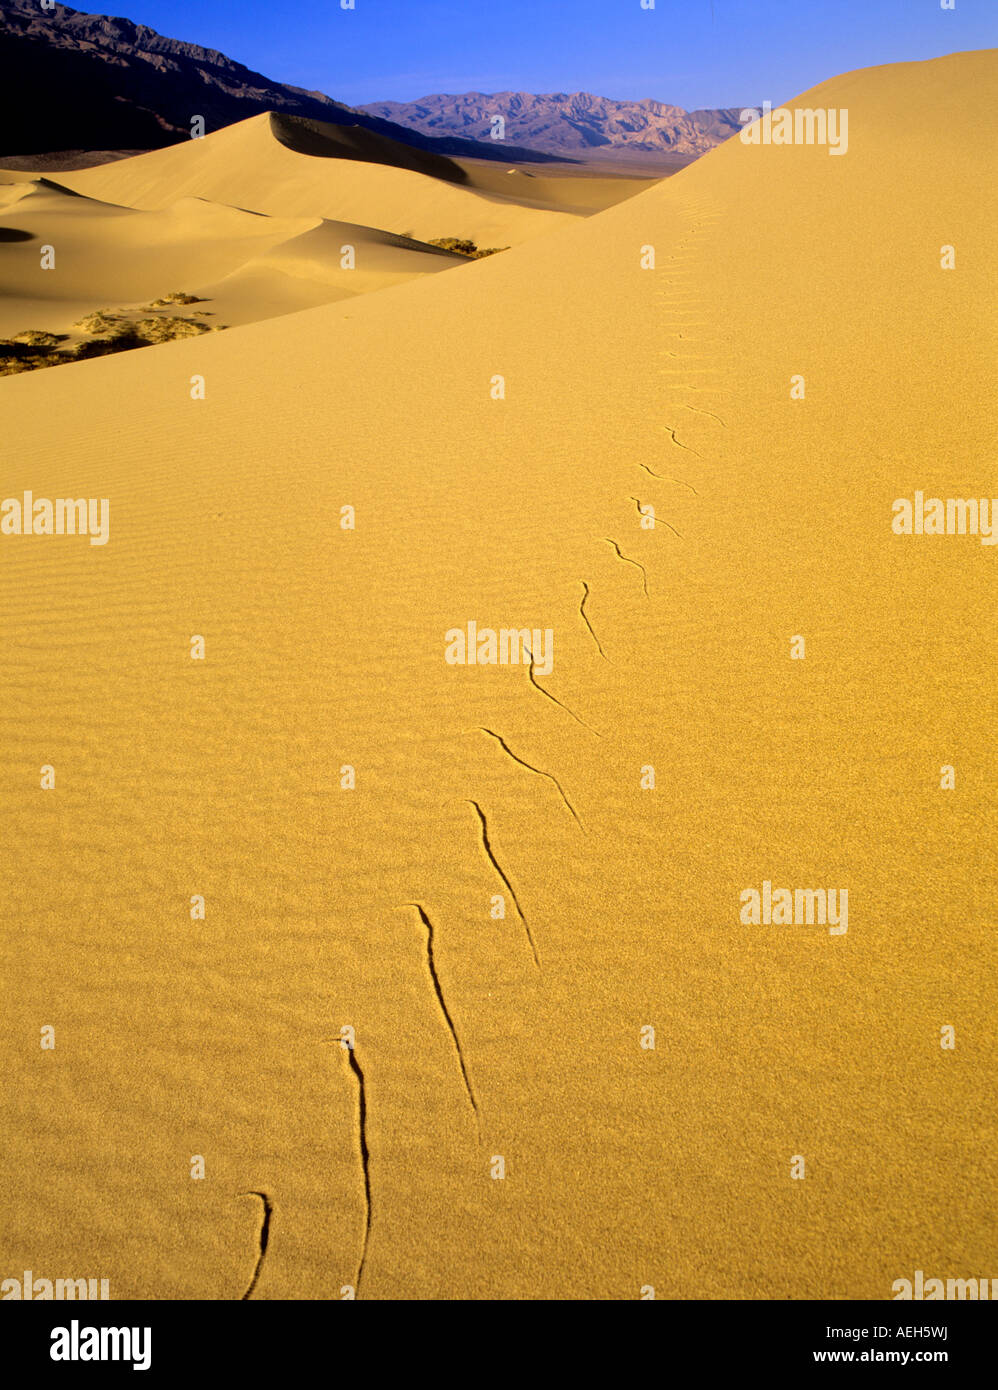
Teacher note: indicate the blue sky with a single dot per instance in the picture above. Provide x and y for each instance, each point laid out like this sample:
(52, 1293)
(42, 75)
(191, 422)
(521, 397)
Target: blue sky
(693, 53)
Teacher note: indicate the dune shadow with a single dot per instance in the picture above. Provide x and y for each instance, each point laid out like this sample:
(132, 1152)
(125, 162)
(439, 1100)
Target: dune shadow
(15, 234)
(324, 140)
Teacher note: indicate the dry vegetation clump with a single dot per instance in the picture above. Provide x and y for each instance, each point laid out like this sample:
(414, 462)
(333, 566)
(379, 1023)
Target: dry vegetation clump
(97, 322)
(37, 338)
(464, 247)
(28, 350)
(165, 329)
(106, 332)
(176, 297)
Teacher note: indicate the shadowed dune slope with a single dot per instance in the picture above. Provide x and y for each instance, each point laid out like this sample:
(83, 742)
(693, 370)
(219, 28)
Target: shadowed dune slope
(324, 141)
(624, 1166)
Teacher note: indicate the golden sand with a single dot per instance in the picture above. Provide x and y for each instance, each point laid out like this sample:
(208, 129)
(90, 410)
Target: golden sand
(625, 1167)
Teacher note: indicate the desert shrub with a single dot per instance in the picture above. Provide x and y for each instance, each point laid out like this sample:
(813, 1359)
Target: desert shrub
(106, 333)
(175, 297)
(38, 338)
(97, 322)
(463, 247)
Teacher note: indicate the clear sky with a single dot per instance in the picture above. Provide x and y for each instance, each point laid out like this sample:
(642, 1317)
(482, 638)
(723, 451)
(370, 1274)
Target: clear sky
(691, 53)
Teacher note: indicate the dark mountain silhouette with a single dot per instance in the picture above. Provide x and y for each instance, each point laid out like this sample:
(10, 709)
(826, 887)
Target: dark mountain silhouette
(90, 82)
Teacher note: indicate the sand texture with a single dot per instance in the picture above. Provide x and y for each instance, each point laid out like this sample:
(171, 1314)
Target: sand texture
(518, 1038)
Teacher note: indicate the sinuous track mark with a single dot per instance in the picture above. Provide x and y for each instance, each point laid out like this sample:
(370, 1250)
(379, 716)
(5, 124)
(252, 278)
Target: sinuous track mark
(534, 682)
(268, 1211)
(365, 1154)
(667, 478)
(628, 561)
(435, 978)
(487, 846)
(539, 772)
(582, 612)
(679, 444)
(661, 519)
(698, 411)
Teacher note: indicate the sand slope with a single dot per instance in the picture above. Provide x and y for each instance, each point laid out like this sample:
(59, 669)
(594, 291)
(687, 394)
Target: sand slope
(624, 1167)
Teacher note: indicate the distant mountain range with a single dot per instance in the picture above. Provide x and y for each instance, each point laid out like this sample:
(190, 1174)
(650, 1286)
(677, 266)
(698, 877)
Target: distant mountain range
(571, 125)
(89, 82)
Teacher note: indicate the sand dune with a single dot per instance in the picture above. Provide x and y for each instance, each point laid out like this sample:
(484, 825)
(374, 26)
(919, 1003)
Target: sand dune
(105, 254)
(243, 265)
(255, 220)
(248, 165)
(310, 269)
(624, 1166)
